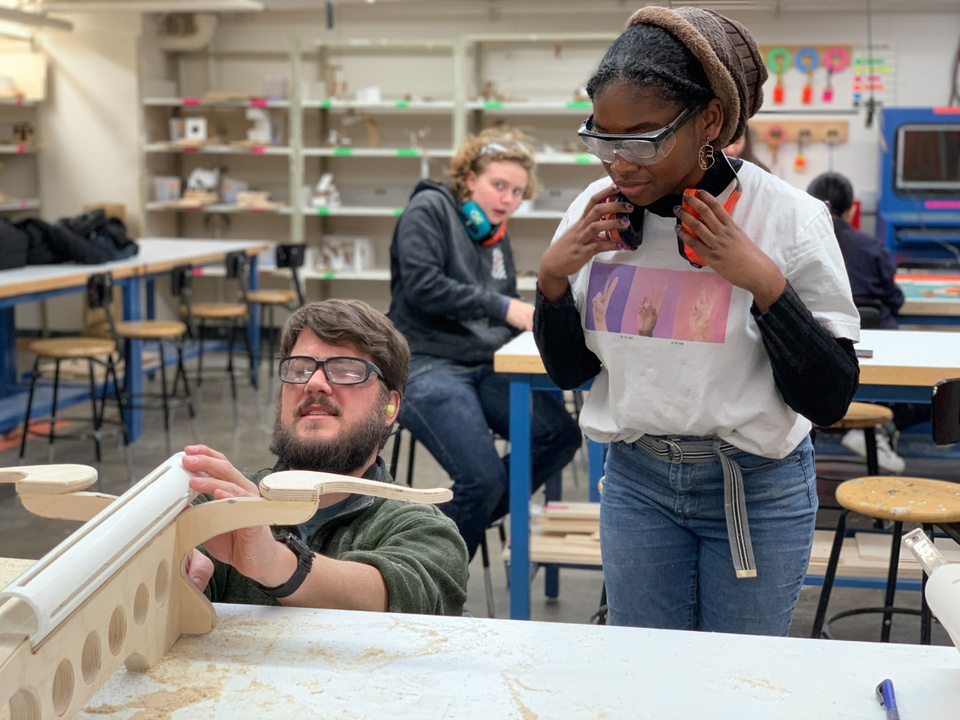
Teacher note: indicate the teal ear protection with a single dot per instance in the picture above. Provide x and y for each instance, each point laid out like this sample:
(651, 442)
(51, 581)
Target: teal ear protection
(475, 221)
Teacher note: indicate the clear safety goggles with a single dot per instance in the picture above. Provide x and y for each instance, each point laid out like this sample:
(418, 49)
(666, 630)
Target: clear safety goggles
(642, 149)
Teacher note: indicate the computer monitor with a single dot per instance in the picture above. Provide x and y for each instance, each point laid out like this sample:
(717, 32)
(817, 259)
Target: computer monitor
(928, 160)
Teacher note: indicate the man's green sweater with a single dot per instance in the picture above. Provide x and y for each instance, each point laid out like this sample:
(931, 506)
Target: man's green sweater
(416, 548)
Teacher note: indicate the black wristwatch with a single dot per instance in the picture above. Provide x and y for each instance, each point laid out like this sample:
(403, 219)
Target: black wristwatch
(304, 563)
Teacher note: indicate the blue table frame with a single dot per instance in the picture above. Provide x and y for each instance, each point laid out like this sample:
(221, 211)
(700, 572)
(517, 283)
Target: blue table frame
(905, 366)
(156, 258)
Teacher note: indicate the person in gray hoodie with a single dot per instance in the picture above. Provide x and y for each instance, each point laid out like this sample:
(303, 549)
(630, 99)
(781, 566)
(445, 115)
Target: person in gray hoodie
(454, 296)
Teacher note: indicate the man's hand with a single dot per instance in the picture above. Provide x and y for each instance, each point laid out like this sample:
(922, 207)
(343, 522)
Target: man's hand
(199, 569)
(253, 551)
(520, 314)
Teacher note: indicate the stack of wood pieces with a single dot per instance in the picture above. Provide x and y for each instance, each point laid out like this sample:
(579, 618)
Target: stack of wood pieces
(867, 555)
(567, 533)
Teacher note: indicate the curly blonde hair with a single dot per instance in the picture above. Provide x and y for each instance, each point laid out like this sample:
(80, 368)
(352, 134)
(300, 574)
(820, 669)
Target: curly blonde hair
(492, 145)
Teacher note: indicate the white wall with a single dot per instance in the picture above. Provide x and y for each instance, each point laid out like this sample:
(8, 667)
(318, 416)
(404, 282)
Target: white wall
(88, 132)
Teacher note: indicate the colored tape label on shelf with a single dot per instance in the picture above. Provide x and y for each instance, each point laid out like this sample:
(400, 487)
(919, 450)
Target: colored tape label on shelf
(329, 275)
(325, 104)
(579, 105)
(258, 103)
(407, 152)
(493, 104)
(583, 159)
(21, 148)
(191, 148)
(402, 104)
(190, 101)
(258, 149)
(323, 211)
(398, 211)
(343, 151)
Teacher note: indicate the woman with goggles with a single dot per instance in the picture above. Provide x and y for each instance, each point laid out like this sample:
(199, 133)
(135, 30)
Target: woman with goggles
(710, 363)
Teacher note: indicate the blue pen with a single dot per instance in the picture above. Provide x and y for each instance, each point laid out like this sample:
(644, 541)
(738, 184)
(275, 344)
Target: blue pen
(888, 700)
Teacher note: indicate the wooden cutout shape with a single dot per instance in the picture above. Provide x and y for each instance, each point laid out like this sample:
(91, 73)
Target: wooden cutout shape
(138, 612)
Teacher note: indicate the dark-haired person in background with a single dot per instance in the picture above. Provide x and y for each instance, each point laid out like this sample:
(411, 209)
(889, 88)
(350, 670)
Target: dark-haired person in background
(709, 367)
(871, 270)
(454, 297)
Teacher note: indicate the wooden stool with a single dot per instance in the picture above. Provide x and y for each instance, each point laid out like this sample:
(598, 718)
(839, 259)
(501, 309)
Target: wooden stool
(900, 500)
(99, 292)
(866, 417)
(96, 352)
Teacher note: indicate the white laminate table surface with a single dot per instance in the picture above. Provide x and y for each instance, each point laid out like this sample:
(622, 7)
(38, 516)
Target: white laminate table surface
(900, 357)
(156, 255)
(286, 663)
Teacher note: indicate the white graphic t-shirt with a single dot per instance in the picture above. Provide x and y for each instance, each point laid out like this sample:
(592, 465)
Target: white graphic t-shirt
(681, 353)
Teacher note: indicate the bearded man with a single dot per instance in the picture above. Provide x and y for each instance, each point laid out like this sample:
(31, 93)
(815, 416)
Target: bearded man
(343, 370)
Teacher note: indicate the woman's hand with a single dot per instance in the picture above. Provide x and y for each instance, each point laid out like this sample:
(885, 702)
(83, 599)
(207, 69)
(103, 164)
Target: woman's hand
(723, 246)
(519, 314)
(581, 241)
(253, 551)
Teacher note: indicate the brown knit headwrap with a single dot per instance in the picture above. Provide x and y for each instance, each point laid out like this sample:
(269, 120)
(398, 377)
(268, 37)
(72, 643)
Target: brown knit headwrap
(728, 54)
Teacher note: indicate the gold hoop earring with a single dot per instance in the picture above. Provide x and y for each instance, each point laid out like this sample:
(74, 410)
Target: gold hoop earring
(706, 158)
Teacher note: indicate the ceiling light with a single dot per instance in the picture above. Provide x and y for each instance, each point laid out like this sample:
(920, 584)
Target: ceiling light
(30, 18)
(159, 6)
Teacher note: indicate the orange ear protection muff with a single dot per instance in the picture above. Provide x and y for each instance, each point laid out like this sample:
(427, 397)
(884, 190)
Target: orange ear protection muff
(728, 206)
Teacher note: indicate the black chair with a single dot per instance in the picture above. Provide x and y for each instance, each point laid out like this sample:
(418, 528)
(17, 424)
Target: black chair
(484, 551)
(290, 256)
(226, 318)
(871, 313)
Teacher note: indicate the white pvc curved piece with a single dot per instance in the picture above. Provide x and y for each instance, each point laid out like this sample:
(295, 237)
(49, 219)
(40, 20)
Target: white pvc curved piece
(308, 486)
(70, 573)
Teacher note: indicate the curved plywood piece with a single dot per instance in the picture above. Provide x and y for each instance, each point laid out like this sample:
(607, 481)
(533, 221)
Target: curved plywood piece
(49, 479)
(907, 499)
(201, 522)
(307, 486)
(80, 506)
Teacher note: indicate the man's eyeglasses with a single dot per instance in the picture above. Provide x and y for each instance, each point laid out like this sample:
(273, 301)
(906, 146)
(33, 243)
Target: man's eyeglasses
(339, 370)
(642, 149)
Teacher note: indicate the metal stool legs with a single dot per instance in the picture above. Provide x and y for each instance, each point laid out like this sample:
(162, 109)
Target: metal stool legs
(821, 625)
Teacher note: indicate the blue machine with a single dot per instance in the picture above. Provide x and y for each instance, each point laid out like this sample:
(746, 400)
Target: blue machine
(918, 213)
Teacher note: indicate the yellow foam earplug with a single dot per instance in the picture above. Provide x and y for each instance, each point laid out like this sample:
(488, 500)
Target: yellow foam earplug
(390, 409)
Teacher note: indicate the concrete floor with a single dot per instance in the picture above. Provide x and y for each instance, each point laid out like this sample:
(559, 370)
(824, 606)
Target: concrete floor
(245, 439)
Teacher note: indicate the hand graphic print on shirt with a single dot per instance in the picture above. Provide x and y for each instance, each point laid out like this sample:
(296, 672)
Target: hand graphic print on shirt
(658, 303)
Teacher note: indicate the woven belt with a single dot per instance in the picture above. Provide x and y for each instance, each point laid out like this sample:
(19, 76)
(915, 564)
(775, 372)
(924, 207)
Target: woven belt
(734, 503)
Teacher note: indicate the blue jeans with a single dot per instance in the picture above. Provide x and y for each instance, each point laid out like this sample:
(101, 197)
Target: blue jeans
(451, 408)
(666, 555)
